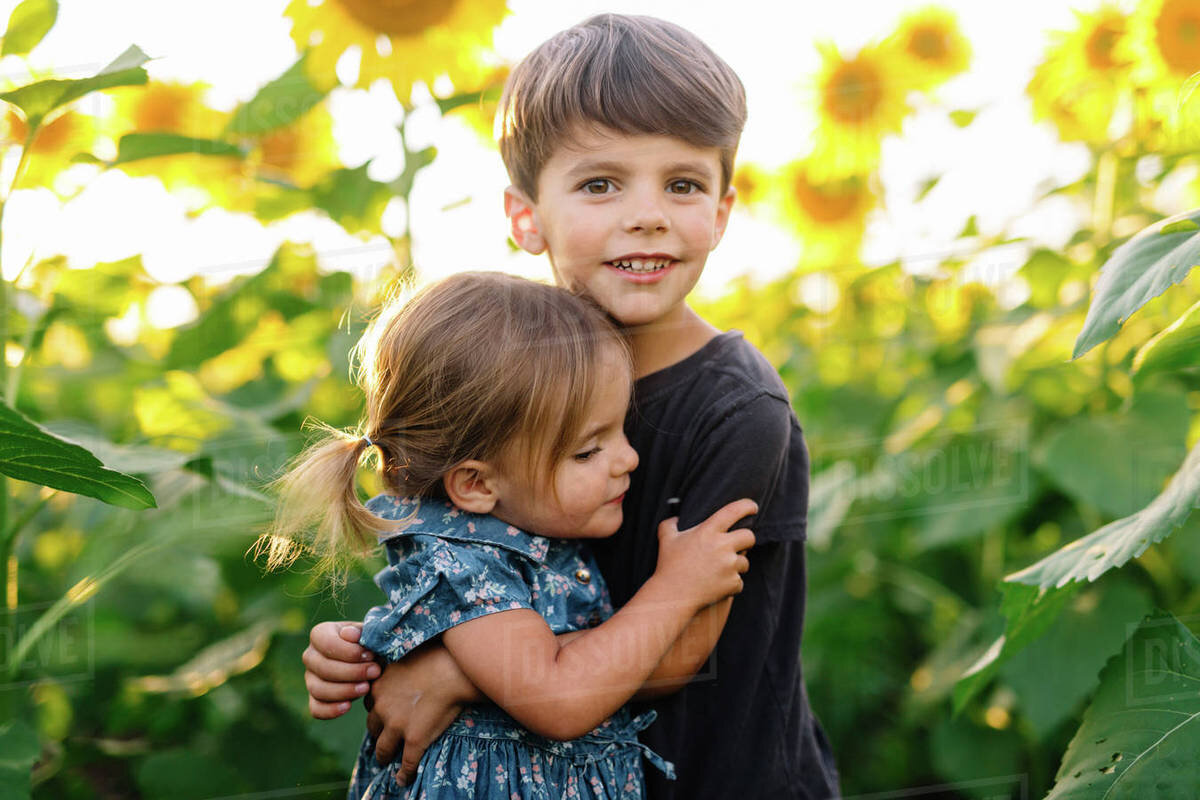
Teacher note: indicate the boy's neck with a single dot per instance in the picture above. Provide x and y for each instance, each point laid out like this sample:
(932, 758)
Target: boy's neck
(668, 340)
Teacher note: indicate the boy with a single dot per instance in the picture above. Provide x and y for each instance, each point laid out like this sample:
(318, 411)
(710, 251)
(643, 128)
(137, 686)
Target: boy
(619, 136)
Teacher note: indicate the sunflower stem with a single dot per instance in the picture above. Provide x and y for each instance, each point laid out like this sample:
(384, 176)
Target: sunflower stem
(1103, 203)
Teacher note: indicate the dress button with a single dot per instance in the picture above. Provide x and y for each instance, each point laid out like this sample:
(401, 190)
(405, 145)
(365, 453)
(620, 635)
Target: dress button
(583, 575)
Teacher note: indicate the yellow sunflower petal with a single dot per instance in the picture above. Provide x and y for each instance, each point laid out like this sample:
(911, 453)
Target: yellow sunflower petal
(54, 145)
(859, 101)
(405, 41)
(1164, 43)
(1084, 77)
(828, 215)
(931, 46)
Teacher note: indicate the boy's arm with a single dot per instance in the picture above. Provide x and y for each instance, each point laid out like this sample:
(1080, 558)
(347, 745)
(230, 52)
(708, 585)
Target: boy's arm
(745, 455)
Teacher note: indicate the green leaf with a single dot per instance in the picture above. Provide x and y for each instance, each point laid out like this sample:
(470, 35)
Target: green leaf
(970, 228)
(1092, 627)
(1139, 270)
(1091, 556)
(38, 99)
(1119, 463)
(927, 186)
(135, 459)
(30, 453)
(448, 104)
(136, 146)
(1139, 737)
(351, 199)
(27, 25)
(19, 749)
(1029, 613)
(185, 774)
(279, 103)
(1176, 347)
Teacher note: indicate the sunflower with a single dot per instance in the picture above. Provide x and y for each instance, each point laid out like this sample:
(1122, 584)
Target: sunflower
(931, 46)
(299, 153)
(751, 183)
(404, 41)
(179, 108)
(859, 100)
(829, 215)
(1164, 41)
(1084, 77)
(54, 145)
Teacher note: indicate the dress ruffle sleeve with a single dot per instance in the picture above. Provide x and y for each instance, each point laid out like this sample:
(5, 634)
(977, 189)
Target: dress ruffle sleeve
(436, 584)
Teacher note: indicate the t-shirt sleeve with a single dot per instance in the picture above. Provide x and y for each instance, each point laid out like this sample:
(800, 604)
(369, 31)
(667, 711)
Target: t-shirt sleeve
(756, 450)
(436, 584)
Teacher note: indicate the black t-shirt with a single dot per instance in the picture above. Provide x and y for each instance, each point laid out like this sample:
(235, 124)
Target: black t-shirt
(711, 429)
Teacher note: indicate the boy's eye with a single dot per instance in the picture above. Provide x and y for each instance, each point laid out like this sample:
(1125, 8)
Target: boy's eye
(587, 454)
(597, 186)
(684, 187)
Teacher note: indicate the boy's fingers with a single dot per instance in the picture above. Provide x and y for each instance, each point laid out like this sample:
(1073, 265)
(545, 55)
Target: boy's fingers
(334, 671)
(328, 639)
(324, 691)
(321, 710)
(725, 517)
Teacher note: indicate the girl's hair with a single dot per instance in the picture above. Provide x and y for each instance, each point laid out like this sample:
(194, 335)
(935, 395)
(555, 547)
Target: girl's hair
(468, 368)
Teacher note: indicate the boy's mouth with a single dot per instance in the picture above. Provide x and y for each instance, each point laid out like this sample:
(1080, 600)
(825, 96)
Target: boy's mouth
(642, 265)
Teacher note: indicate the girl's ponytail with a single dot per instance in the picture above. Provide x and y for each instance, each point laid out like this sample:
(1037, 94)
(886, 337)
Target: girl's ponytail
(318, 508)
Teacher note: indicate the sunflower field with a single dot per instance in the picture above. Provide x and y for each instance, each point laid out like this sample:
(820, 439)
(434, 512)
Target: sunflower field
(1004, 570)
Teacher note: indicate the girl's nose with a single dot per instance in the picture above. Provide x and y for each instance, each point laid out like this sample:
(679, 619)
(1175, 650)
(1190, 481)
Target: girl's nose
(627, 458)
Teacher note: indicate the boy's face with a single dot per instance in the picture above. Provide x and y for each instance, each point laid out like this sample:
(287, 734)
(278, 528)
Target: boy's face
(627, 219)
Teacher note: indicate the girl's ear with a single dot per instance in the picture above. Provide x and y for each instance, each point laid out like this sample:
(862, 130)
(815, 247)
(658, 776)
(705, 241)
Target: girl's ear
(523, 218)
(471, 486)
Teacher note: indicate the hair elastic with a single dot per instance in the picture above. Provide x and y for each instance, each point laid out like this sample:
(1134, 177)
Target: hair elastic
(367, 439)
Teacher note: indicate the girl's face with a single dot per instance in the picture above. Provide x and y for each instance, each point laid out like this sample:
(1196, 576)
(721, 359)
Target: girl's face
(582, 498)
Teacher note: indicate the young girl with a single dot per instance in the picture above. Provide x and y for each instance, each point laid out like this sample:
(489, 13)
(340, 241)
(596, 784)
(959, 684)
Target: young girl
(497, 406)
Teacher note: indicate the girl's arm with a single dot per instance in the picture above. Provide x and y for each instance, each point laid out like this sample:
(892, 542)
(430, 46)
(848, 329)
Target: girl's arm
(689, 652)
(563, 690)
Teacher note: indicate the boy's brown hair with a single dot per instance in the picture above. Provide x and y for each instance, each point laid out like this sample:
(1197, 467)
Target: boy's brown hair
(631, 74)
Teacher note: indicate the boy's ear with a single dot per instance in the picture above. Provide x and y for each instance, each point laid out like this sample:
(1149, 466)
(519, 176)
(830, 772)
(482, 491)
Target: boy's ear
(521, 215)
(724, 205)
(471, 486)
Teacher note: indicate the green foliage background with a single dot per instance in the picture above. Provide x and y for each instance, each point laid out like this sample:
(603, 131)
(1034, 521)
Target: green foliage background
(956, 440)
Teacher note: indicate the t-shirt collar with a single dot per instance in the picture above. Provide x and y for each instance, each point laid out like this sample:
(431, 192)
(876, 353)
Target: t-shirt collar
(439, 518)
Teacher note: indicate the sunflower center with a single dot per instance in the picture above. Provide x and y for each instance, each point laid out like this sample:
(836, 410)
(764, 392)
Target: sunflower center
(1177, 31)
(854, 92)
(1101, 42)
(399, 17)
(828, 203)
(281, 149)
(161, 109)
(928, 44)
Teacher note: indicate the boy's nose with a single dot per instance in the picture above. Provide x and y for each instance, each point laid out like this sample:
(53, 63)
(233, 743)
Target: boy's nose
(647, 214)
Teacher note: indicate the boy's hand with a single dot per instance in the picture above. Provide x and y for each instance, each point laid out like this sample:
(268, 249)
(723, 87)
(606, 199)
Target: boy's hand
(414, 701)
(706, 562)
(336, 668)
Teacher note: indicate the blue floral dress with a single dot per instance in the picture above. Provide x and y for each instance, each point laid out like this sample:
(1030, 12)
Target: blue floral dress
(446, 567)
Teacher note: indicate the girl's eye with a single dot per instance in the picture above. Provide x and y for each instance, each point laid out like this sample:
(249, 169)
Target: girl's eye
(684, 187)
(597, 186)
(587, 454)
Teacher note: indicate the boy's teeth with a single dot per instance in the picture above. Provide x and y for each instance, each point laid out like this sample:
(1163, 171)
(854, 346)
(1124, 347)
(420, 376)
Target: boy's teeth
(641, 264)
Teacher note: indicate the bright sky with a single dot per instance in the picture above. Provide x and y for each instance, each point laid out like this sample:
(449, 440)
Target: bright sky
(990, 169)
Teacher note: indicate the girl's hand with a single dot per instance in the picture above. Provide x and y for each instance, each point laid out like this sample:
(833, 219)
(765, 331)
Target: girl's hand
(336, 668)
(705, 563)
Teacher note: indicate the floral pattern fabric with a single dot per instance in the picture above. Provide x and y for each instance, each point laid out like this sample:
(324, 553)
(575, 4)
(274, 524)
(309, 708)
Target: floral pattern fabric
(445, 567)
